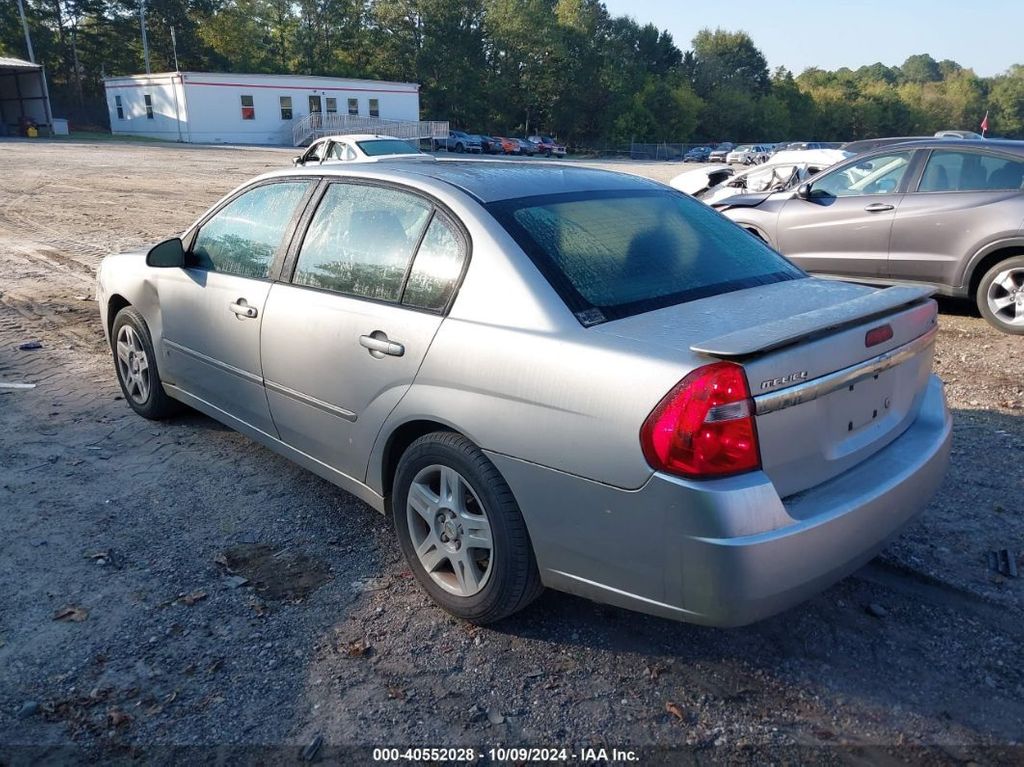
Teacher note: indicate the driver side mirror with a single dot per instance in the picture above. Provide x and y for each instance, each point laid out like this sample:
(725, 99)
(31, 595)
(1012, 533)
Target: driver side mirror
(168, 254)
(297, 160)
(804, 191)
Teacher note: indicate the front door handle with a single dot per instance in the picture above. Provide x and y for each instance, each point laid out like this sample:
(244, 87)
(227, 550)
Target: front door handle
(878, 207)
(242, 309)
(380, 346)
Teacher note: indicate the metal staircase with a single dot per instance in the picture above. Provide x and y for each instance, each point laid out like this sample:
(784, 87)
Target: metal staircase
(317, 124)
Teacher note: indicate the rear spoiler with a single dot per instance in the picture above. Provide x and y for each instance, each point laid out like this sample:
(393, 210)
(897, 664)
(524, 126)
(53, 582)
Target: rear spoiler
(772, 335)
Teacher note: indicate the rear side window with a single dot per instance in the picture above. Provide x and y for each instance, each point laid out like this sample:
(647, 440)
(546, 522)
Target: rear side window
(951, 171)
(612, 255)
(437, 267)
(378, 147)
(243, 236)
(361, 240)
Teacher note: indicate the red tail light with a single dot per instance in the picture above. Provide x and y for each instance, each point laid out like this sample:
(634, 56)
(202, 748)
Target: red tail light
(704, 427)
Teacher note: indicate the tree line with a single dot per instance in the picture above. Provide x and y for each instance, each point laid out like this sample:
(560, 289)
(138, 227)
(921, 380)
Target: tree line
(566, 67)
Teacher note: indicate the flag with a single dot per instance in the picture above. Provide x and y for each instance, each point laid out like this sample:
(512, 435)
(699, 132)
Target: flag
(984, 124)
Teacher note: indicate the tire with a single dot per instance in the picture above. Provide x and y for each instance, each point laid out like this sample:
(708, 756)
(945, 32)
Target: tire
(136, 366)
(497, 581)
(1000, 296)
(459, 148)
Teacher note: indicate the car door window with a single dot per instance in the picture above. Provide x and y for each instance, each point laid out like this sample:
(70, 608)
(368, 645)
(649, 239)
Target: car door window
(437, 267)
(953, 171)
(243, 236)
(876, 175)
(361, 240)
(314, 153)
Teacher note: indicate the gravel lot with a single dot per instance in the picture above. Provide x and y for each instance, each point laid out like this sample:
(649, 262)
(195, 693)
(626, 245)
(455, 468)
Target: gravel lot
(177, 584)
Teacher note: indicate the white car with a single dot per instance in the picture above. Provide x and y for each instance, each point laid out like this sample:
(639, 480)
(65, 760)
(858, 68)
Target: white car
(748, 154)
(782, 171)
(359, 147)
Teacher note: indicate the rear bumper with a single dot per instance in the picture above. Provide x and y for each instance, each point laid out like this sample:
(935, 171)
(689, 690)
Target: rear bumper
(728, 552)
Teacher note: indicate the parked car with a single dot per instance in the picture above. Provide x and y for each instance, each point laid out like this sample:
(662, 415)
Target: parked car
(782, 171)
(547, 376)
(459, 141)
(547, 146)
(720, 152)
(358, 148)
(509, 145)
(944, 213)
(748, 154)
(527, 147)
(697, 154)
(490, 144)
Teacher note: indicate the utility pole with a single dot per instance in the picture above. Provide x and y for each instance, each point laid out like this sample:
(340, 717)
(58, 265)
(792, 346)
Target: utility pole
(174, 47)
(28, 37)
(145, 41)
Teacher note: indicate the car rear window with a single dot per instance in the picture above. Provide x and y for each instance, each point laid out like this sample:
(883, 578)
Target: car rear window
(378, 147)
(612, 254)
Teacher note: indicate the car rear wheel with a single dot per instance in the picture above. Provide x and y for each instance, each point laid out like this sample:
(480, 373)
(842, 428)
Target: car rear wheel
(460, 148)
(1000, 295)
(135, 362)
(461, 531)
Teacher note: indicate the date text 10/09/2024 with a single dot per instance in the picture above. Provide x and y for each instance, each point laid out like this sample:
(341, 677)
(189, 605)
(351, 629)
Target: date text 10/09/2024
(515, 754)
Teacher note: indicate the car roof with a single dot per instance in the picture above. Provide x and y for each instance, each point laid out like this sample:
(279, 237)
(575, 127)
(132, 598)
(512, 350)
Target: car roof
(493, 180)
(362, 137)
(1004, 145)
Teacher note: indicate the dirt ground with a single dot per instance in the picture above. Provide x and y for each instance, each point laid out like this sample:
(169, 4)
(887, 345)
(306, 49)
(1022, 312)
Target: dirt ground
(177, 584)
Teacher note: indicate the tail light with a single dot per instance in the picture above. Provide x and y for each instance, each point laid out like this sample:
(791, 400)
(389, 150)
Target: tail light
(704, 427)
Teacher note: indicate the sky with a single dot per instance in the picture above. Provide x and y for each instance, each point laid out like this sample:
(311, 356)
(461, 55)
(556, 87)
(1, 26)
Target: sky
(984, 35)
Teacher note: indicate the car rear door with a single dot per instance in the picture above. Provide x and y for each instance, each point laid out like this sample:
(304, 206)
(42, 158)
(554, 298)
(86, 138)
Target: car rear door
(212, 310)
(844, 227)
(955, 209)
(343, 340)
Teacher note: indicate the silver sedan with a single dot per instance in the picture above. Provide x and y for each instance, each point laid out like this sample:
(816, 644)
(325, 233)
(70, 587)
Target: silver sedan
(547, 376)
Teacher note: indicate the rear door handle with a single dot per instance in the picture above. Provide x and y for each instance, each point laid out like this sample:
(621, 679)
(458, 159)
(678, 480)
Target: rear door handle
(878, 207)
(379, 345)
(242, 309)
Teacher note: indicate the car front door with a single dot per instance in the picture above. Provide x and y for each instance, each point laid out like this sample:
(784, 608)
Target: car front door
(843, 227)
(953, 211)
(342, 342)
(212, 310)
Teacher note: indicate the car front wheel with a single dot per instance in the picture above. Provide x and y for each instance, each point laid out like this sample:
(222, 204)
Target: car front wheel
(1000, 296)
(135, 362)
(461, 530)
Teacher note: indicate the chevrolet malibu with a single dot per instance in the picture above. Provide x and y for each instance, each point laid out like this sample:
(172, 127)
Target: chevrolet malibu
(547, 376)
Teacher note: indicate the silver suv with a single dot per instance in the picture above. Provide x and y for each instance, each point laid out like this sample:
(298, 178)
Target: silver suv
(949, 215)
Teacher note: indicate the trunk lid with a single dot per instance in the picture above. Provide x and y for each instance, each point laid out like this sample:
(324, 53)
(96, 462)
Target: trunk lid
(825, 399)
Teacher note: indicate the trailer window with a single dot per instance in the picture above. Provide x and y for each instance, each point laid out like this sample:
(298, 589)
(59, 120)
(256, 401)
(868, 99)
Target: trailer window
(248, 108)
(353, 106)
(149, 106)
(374, 108)
(120, 107)
(332, 105)
(286, 107)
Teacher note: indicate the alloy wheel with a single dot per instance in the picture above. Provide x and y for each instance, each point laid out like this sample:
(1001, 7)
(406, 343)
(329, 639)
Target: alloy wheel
(133, 364)
(450, 531)
(1005, 297)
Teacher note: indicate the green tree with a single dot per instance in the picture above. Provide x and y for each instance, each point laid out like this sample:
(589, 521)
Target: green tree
(730, 60)
(921, 68)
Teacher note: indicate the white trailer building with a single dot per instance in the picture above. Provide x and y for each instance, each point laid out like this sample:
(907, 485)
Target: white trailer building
(209, 108)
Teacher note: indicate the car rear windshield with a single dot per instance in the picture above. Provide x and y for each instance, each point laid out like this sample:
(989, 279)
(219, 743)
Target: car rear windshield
(378, 147)
(613, 254)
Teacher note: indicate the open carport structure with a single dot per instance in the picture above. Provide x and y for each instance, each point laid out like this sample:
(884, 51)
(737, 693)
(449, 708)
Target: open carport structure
(23, 93)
